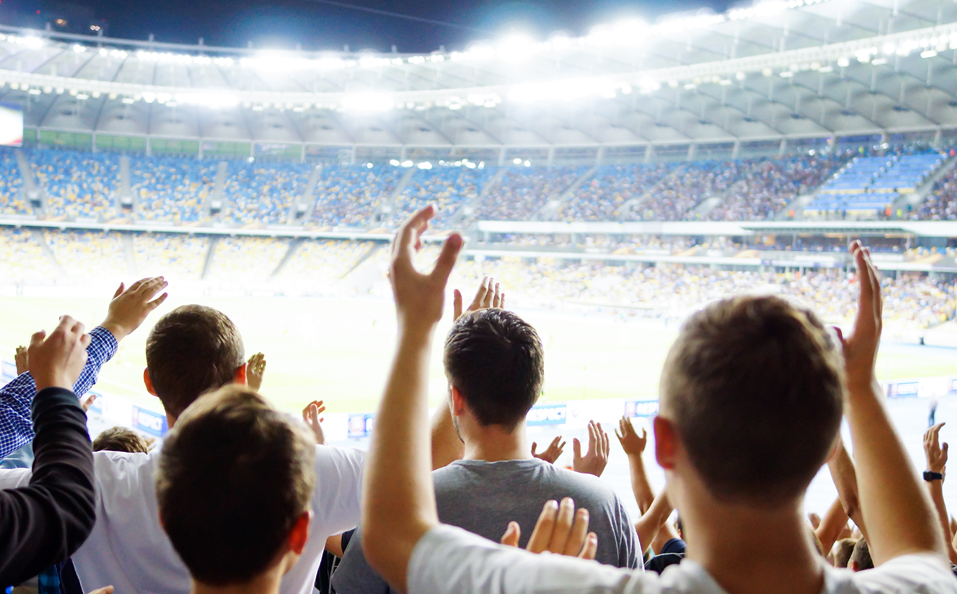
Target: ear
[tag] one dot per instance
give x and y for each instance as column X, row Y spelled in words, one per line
column 458, row 403
column 300, row 533
column 148, row 382
column 240, row 377
column 666, row 442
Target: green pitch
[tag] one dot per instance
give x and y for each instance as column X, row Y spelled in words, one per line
column 338, row 350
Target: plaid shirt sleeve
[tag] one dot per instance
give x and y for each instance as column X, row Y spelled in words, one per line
column 16, row 424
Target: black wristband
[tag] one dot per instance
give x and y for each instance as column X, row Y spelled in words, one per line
column 933, row 476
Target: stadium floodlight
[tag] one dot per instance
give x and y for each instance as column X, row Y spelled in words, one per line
column 407, row 163
column 79, row 48
column 425, row 165
column 517, row 161
column 843, row 62
column 129, row 100
column 394, row 162
column 34, row 91
column 928, row 53
column 216, row 100
column 878, row 61
column 516, row 48
column 368, row 102
column 32, row 42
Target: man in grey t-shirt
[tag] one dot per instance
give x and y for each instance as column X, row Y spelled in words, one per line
column 495, row 366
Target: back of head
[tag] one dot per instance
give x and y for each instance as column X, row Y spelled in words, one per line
column 234, row 476
column 120, row 439
column 495, row 359
column 842, row 551
column 191, row 350
column 754, row 387
column 861, row 557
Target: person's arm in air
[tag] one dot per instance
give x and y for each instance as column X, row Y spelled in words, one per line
column 844, row 475
column 832, row 524
column 895, row 508
column 652, row 520
column 47, row 520
column 126, row 312
column 936, row 456
column 634, row 447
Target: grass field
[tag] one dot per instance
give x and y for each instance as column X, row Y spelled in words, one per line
column 338, row 350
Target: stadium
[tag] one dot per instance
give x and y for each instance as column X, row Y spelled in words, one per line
column 613, row 183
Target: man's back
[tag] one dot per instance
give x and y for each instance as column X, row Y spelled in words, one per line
column 129, row 549
column 482, row 497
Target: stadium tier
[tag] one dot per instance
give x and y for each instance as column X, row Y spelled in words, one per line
column 92, row 186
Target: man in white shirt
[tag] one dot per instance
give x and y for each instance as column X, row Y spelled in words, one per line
column 190, row 351
column 751, row 402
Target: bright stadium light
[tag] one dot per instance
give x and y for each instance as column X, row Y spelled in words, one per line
column 425, row 165
column 394, row 162
column 368, row 102
column 207, row 99
column 407, row 163
column 517, row 161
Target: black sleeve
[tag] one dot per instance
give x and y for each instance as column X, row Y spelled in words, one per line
column 47, row 521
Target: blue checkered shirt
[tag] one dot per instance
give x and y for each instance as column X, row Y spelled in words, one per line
column 16, row 422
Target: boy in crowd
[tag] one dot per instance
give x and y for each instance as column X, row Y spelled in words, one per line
column 751, row 402
column 234, row 486
column 495, row 365
column 191, row 350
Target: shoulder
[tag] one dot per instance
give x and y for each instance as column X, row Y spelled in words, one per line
column 927, row 573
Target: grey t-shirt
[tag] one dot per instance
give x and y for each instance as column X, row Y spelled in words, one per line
column 482, row 497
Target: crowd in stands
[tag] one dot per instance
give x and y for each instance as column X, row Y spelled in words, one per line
column 246, row 259
column 12, row 198
column 522, row 192
column 603, row 196
column 449, row 188
column 256, row 194
column 85, row 255
column 177, row 256
column 171, row 189
column 240, row 496
column 25, row 259
column 78, row 185
column 941, row 205
column 351, row 196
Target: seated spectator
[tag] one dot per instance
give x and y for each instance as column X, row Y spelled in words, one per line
column 498, row 480
column 234, row 486
column 126, row 312
column 45, row 521
column 120, row 439
column 190, row 351
column 751, row 405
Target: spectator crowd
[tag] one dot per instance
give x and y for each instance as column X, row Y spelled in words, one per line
column 241, row 497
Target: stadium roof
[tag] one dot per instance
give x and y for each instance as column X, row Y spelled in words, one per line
column 777, row 70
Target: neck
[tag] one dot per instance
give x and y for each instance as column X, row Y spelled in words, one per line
column 744, row 549
column 265, row 583
column 495, row 443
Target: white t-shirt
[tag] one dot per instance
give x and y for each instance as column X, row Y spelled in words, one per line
column 448, row 560
column 129, row 549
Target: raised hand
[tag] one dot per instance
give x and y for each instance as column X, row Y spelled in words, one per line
column 935, row 453
column 57, row 360
column 255, row 368
column 129, row 307
column 87, row 402
column 20, row 357
column 310, row 415
column 419, row 298
column 489, row 294
column 628, row 437
column 860, row 348
column 559, row 530
column 596, row 459
column 552, row 453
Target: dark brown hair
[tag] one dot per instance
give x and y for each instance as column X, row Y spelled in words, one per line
column 496, row 361
column 755, row 388
column 234, row 476
column 120, row 439
column 861, row 555
column 191, row 350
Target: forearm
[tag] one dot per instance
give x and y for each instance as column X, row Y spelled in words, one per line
column 834, row 520
column 895, row 508
column 650, row 523
column 103, row 345
column 398, row 500
column 55, row 512
column 936, row 490
column 844, row 475
column 639, row 483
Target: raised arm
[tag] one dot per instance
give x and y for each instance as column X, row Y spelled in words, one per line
column 936, row 456
column 833, row 522
column 46, row 521
column 398, row 497
column 844, row 475
column 127, row 310
column 652, row 520
column 634, row 447
column 896, row 509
